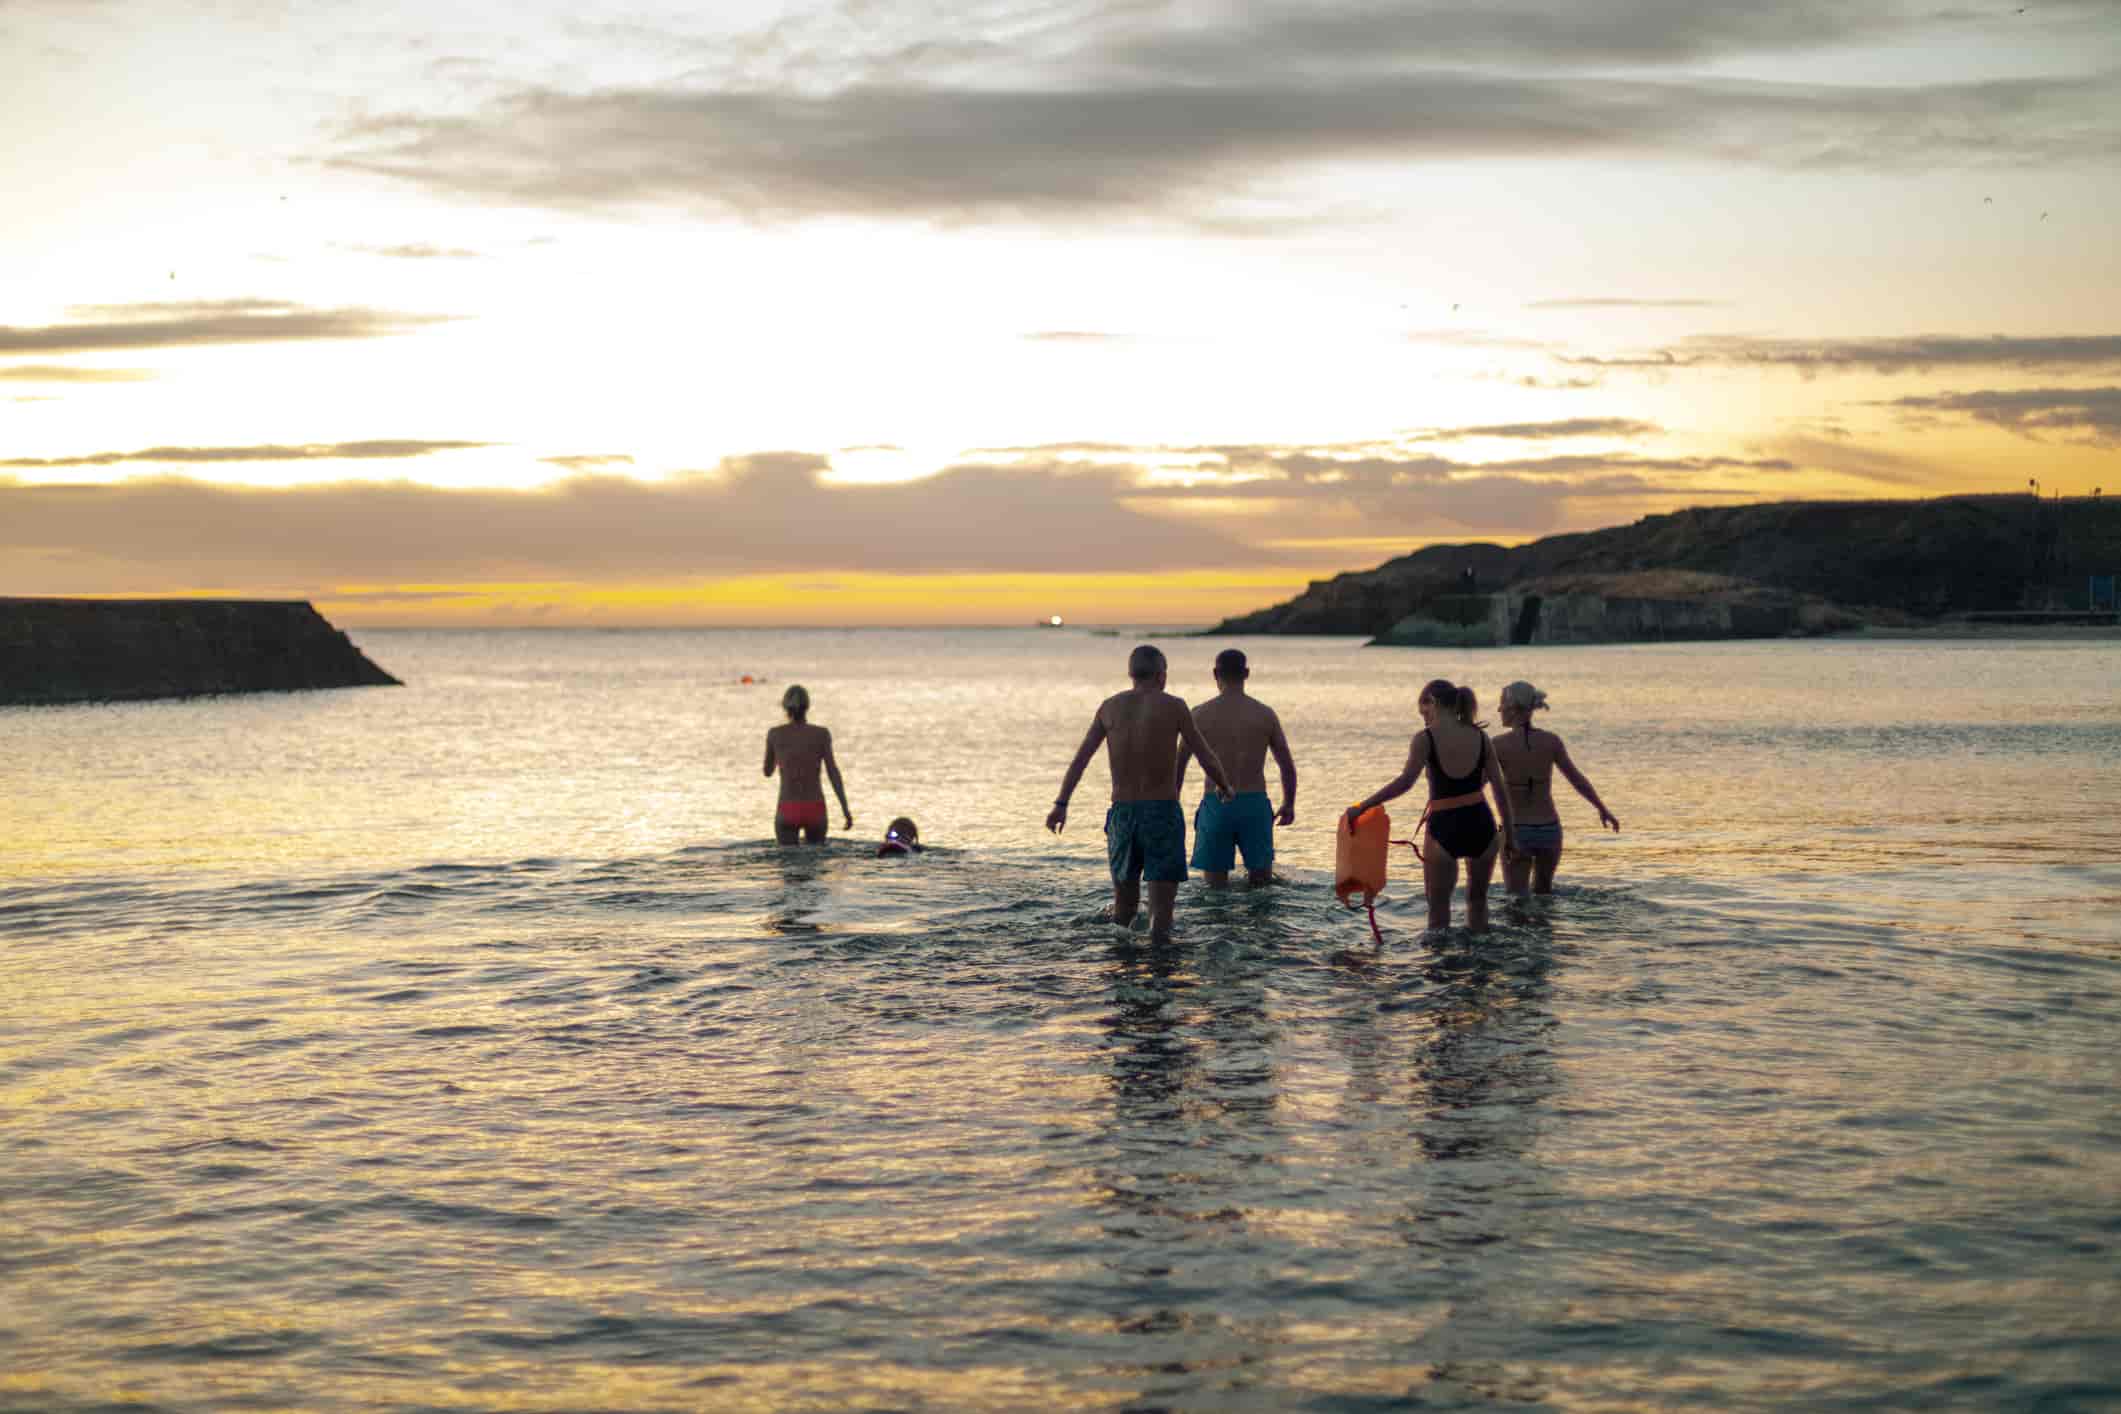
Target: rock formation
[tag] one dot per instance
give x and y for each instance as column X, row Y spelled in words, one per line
column 118, row 650
column 1726, row 572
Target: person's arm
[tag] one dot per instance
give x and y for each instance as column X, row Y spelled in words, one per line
column 1211, row 765
column 1057, row 817
column 1493, row 775
column 839, row 788
column 1178, row 777
column 1583, row 785
column 1286, row 764
column 769, row 753
column 1399, row 785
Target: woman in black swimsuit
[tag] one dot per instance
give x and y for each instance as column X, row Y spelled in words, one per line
column 1458, row 823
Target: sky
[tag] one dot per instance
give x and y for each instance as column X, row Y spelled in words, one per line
column 976, row 311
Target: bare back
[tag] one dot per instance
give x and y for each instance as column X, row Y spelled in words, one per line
column 1241, row 729
column 1527, row 755
column 800, row 750
column 1142, row 730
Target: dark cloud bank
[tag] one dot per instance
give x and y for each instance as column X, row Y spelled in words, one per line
column 196, row 324
column 203, row 456
column 772, row 512
column 1173, row 111
column 2087, row 414
column 1911, row 354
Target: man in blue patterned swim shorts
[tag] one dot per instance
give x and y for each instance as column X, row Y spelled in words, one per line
column 1145, row 830
column 1242, row 730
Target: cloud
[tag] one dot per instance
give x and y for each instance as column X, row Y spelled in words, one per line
column 61, row 373
column 1905, row 354
column 1384, row 492
column 1545, row 431
column 192, row 324
column 1473, row 339
column 1620, row 302
column 414, row 252
column 1562, row 34
column 2094, row 414
column 780, row 512
column 1835, row 452
column 765, row 512
column 1182, row 118
column 1072, row 336
column 305, row 452
column 589, row 462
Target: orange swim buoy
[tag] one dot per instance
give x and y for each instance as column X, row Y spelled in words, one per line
column 1359, row 860
column 1359, row 854
column 745, row 678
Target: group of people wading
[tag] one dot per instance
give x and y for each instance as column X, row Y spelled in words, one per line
column 1150, row 736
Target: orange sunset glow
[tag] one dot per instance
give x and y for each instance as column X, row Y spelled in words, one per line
column 1135, row 315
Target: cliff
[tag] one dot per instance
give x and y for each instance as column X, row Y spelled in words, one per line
column 1730, row 571
column 117, row 650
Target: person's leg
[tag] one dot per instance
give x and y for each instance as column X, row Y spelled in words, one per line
column 1255, row 839
column 1543, row 866
column 1163, row 902
column 785, row 833
column 1214, row 843
column 1517, row 872
column 1479, row 869
column 1123, row 854
column 1439, row 873
column 814, row 834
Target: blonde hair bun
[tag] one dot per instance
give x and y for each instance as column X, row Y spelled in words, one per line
column 1524, row 696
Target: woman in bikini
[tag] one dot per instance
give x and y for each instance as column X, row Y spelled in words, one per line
column 798, row 748
column 1529, row 757
column 1457, row 824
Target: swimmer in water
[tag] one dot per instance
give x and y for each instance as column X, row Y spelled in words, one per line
column 901, row 836
column 1529, row 757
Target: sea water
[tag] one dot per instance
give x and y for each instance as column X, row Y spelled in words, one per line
column 468, row 1045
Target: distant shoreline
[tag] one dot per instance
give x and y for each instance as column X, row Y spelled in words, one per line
column 1988, row 631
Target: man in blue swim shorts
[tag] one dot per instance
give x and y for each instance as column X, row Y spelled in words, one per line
column 1242, row 730
column 1145, row 830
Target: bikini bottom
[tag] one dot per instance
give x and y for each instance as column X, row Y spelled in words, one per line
column 1464, row 831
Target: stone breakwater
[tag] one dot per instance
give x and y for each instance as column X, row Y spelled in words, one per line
column 124, row 650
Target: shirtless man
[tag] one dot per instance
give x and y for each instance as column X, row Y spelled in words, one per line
column 1242, row 730
column 1145, row 831
column 799, row 748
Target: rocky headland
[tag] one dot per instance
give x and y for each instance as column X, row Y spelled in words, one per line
column 1763, row 571
column 121, row 650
